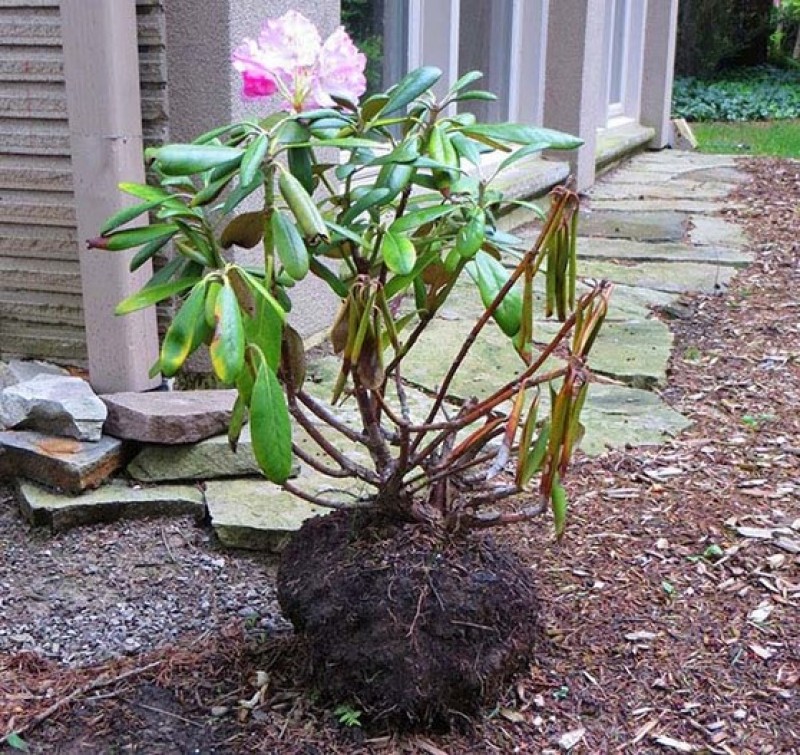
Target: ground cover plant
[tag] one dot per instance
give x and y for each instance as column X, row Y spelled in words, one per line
column 746, row 94
column 398, row 596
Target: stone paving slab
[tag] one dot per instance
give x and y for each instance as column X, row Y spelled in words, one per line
column 255, row 514
column 168, row 416
column 716, row 232
column 641, row 226
column 676, row 189
column 117, row 500
column 634, row 251
column 62, row 463
column 671, row 277
column 211, row 458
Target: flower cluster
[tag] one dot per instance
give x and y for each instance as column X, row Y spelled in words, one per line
column 290, row 59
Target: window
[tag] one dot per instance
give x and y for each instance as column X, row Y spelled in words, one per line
column 503, row 38
column 624, row 49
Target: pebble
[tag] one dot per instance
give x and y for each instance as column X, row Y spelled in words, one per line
column 107, row 591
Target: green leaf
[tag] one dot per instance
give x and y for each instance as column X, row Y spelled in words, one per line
column 366, row 201
column 227, row 346
column 412, row 220
column 289, row 245
column 188, row 159
column 301, row 166
column 410, row 87
column 472, row 235
column 180, row 335
column 558, row 500
column 346, row 233
column 533, row 462
column 490, row 276
column 476, row 94
column 271, row 431
column 468, row 78
column 323, row 272
column 241, row 192
column 232, row 128
column 15, row 741
column 119, row 241
column 405, row 152
column 258, row 286
column 466, row 148
column 145, row 191
column 153, row 294
column 265, row 330
column 518, row 133
column 126, row 214
column 398, row 253
column 147, row 252
column 252, row 159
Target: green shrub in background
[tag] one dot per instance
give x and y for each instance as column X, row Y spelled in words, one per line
column 747, row 94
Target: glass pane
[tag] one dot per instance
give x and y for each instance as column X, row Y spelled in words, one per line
column 484, row 43
column 618, row 52
column 380, row 30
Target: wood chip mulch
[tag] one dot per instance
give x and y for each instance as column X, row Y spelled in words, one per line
column 671, row 608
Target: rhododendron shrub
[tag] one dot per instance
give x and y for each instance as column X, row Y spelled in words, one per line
column 391, row 202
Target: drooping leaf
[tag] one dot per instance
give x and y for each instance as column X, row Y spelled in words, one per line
column 558, row 500
column 490, row 276
column 270, row 429
column 147, row 252
column 252, row 159
column 126, row 214
column 289, row 245
column 245, row 230
column 472, row 235
column 413, row 220
column 227, row 346
column 180, row 335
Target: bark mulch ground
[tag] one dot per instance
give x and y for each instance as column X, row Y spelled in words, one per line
column 671, row 608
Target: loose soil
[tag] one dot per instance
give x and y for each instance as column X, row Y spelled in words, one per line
column 671, row 609
column 413, row 629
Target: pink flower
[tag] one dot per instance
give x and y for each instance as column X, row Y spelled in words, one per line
column 290, row 58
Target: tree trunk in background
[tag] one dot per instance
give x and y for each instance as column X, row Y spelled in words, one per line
column 796, row 53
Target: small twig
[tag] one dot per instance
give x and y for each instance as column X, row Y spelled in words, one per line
column 328, row 417
column 162, row 712
column 422, row 593
column 166, row 545
column 316, row 464
column 86, row 689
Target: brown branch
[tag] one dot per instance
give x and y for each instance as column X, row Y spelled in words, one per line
column 324, row 502
column 316, row 464
column 357, row 470
column 315, row 406
column 484, row 520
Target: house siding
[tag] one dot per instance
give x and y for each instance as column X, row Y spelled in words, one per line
column 40, row 285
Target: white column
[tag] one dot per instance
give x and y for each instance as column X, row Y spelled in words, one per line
column 661, row 32
column 101, row 68
column 574, row 78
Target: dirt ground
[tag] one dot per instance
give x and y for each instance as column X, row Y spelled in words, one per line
column 671, row 607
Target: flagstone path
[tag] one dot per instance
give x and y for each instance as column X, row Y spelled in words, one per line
column 653, row 227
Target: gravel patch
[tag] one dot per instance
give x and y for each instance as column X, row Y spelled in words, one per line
column 112, row 590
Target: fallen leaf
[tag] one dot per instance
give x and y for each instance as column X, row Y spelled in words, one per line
column 513, row 715
column 569, row 739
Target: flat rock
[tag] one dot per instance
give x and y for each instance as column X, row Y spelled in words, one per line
column 718, row 232
column 646, row 204
column 636, row 251
column 18, row 371
column 53, row 404
column 60, row 463
column 116, row 500
column 168, row 417
column 670, row 277
column 616, row 417
column 209, row 459
column 642, row 226
column 255, row 514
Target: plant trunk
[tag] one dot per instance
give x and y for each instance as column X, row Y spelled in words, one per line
column 796, row 51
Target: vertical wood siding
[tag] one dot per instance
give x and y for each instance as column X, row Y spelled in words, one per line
column 40, row 288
